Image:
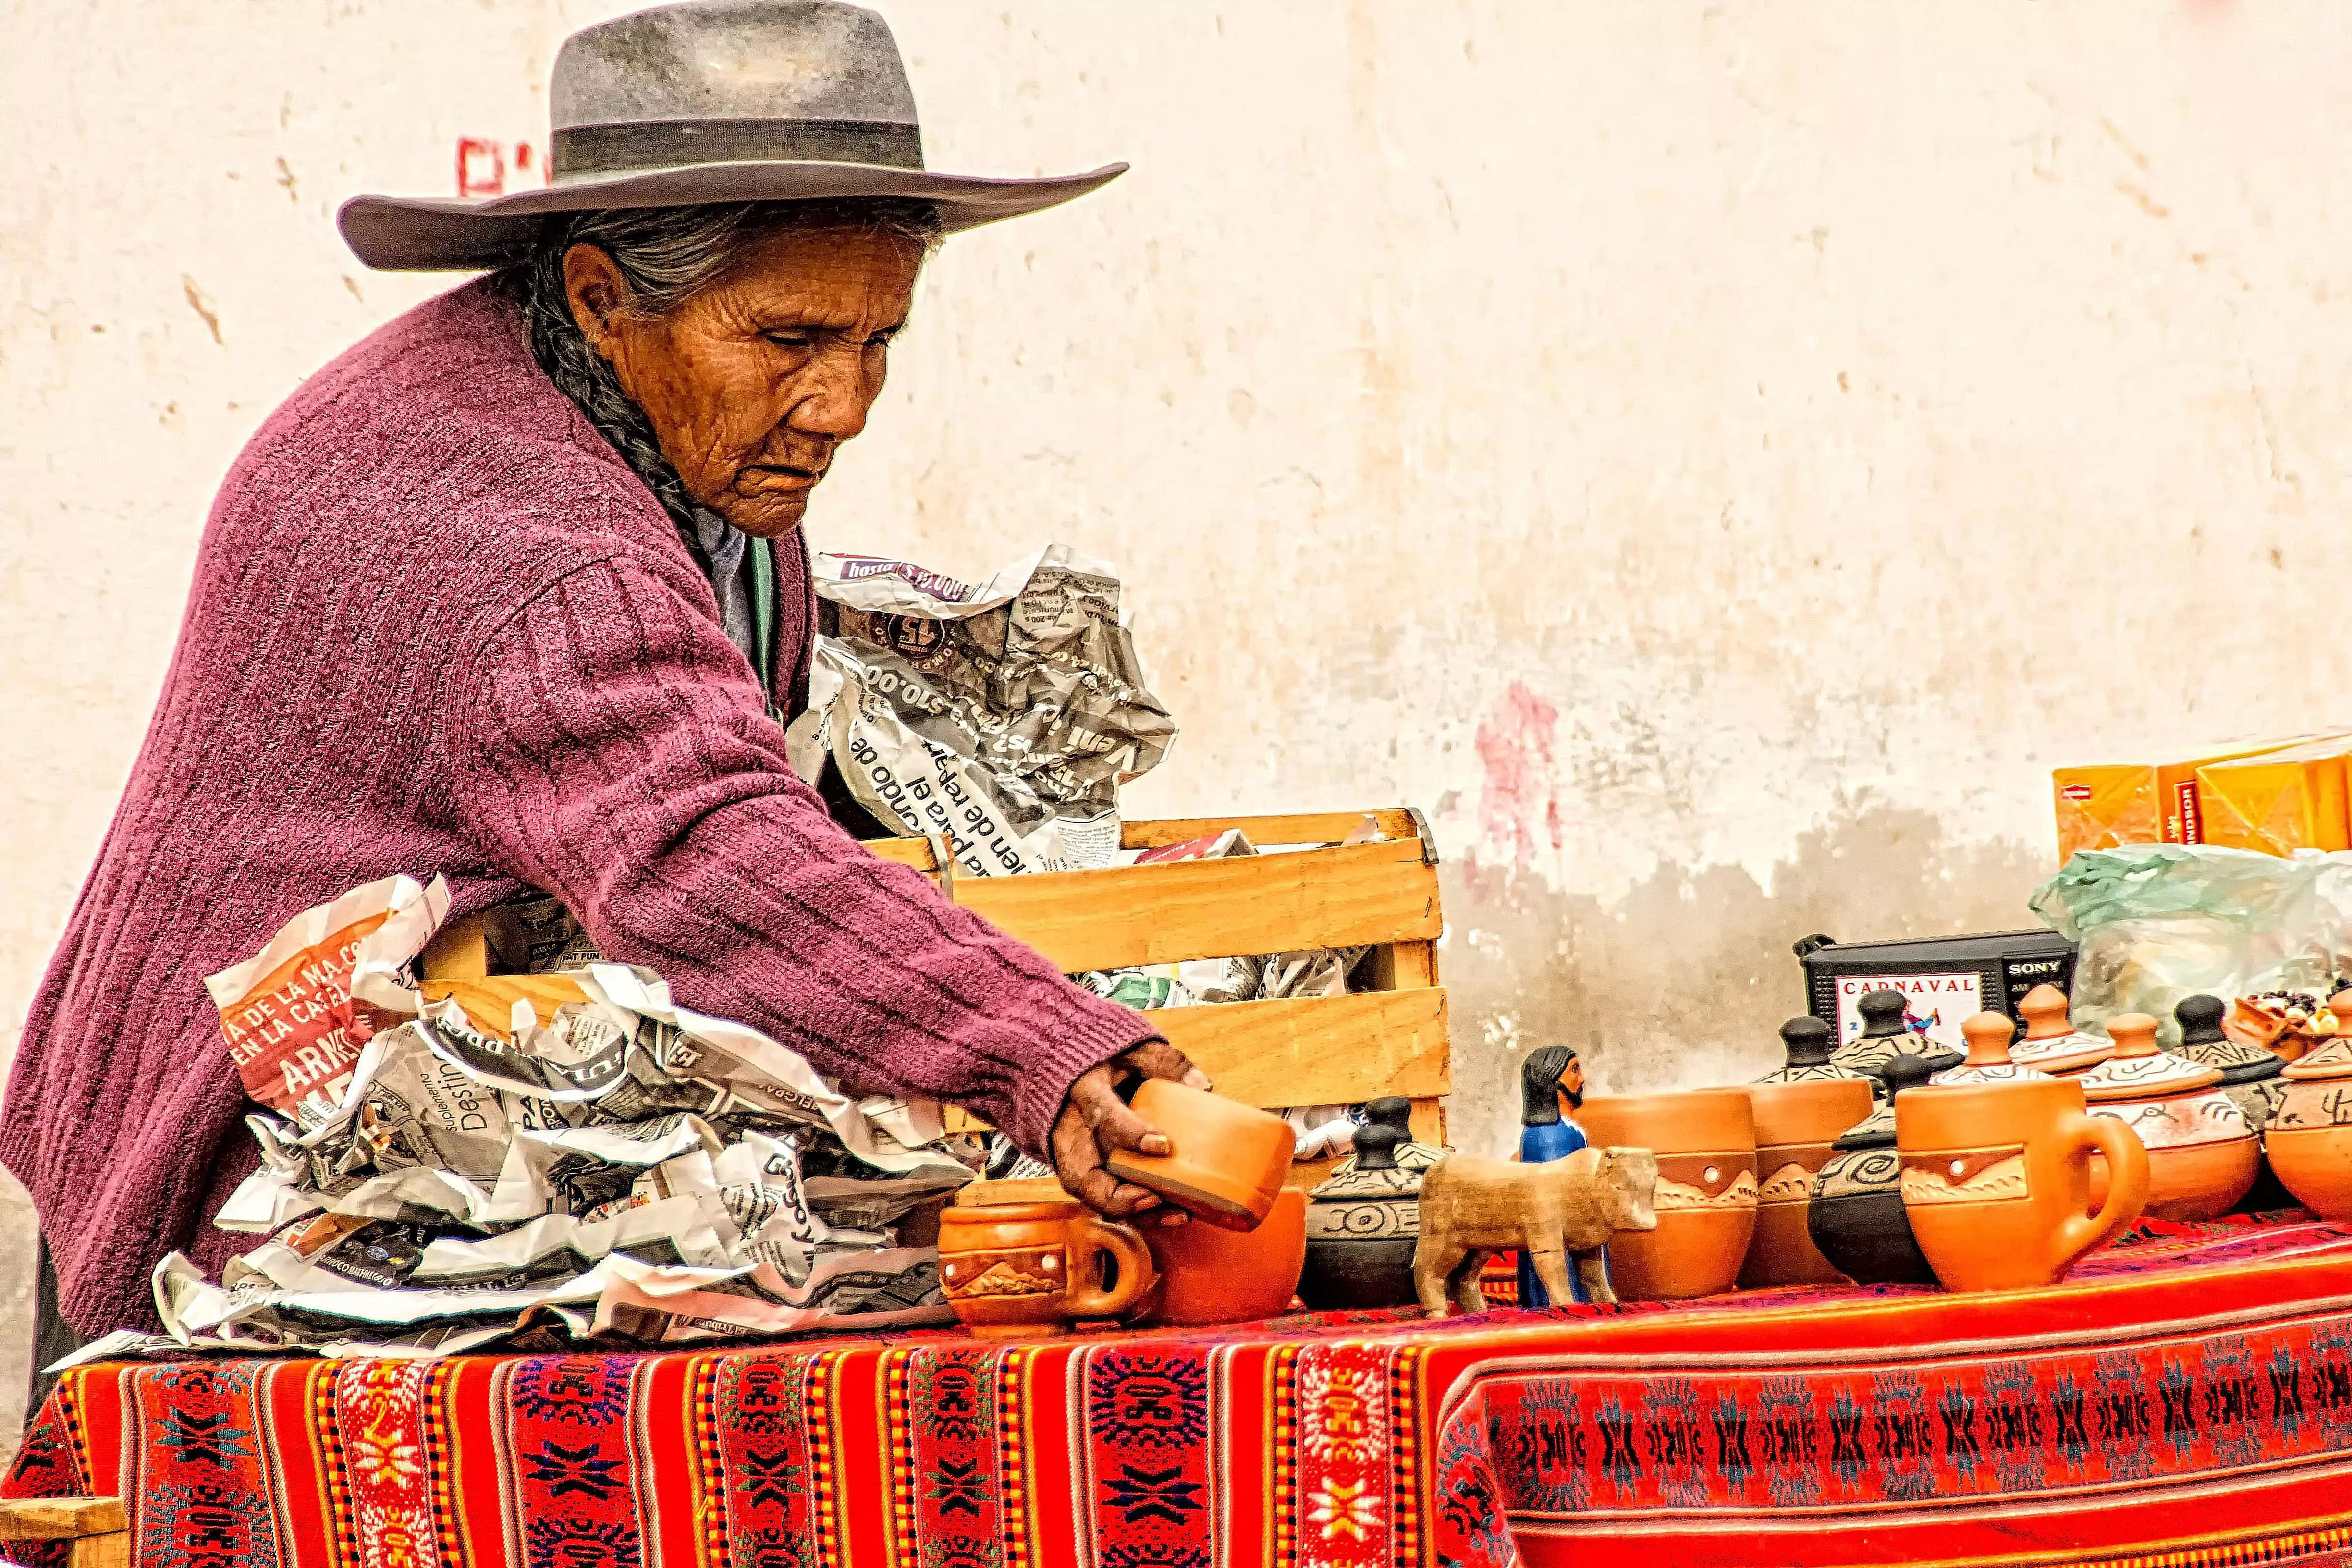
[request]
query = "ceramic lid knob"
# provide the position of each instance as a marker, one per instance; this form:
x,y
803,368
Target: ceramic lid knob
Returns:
x,y
2134,1034
1376,1144
1906,1072
2046,1013
1390,1110
2201,1020
1807,1042
1882,1013
1988,1035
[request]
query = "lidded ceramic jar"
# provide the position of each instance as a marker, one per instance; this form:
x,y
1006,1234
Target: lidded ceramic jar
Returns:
x,y
1855,1215
2052,1043
1361,1227
1704,1139
1807,1048
1395,1111
2309,1138
1988,1035
1885,1035
2202,1153
2249,1075
1795,1125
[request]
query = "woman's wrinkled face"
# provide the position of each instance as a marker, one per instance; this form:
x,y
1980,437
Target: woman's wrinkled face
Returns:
x,y
755,379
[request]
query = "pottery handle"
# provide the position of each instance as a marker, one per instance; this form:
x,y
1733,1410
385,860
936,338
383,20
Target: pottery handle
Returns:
x,y
1136,1275
2127,1185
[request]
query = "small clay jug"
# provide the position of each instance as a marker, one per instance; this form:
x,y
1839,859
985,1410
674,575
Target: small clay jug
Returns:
x,y
1029,1268
1704,1141
1796,1122
1885,1035
2202,1153
1228,1159
1988,1035
2052,1043
1996,1179
1807,1046
1362,1225
2249,1075
1856,1215
1211,1275
2309,1138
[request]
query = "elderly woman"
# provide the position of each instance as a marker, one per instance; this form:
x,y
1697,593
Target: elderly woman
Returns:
x,y
515,591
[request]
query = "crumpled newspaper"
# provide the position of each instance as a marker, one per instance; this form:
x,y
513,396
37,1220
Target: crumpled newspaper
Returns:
x,y
625,1168
1002,715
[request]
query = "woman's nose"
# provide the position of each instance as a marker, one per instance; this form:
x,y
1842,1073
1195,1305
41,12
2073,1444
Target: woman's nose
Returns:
x,y
835,398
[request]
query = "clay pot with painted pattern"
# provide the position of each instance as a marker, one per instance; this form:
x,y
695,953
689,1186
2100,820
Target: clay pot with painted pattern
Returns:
x,y
1996,1180
1704,1141
1989,1061
1796,1123
2309,1138
2202,1153
2051,1043
1855,1215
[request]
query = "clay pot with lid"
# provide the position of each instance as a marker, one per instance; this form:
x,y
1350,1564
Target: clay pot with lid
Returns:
x,y
2052,1043
1796,1123
2249,1075
1988,1035
1807,1046
1885,1035
2202,1153
2309,1138
1704,1141
1855,1215
1362,1226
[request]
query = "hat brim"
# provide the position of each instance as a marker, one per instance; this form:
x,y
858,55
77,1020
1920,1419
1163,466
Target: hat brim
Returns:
x,y
424,234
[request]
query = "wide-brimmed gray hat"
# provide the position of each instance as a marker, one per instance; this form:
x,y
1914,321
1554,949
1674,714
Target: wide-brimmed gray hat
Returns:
x,y
711,101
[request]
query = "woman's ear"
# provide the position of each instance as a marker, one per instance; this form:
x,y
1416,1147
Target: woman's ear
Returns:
x,y
597,291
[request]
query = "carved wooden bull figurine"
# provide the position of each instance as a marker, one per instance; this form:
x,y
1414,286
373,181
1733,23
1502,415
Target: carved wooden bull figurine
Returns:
x,y
1470,1207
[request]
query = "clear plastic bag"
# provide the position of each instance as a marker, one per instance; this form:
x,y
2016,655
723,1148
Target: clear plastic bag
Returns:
x,y
2159,921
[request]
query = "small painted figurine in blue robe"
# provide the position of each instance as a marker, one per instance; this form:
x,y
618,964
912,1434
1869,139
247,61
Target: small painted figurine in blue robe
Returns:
x,y
1545,1135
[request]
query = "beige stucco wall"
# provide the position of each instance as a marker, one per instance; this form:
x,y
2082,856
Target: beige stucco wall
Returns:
x,y
1713,458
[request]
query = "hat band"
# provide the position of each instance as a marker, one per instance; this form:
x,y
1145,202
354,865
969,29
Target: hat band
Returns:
x,y
584,151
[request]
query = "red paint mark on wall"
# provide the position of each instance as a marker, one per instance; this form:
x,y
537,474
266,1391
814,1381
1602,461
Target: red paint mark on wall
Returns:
x,y
486,168
1515,749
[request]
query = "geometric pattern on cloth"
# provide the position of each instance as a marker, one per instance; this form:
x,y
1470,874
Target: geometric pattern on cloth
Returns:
x,y
1812,1427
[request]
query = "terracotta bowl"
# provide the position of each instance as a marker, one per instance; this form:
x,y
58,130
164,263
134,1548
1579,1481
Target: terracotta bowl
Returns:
x,y
1706,1143
1795,1124
1211,1275
1229,1162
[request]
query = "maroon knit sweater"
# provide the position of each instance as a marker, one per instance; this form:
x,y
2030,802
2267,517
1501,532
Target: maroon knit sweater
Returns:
x,y
437,624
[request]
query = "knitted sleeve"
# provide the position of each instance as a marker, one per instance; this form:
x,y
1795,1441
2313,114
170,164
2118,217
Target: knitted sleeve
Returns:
x,y
612,751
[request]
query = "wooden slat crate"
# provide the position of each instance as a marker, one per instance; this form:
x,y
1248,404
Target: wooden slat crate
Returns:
x,y
1381,893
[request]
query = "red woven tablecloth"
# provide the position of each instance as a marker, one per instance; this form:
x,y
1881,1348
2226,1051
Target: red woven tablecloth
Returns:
x,y
2189,1390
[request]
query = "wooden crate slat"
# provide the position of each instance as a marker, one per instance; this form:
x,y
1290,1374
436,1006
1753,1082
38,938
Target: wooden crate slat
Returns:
x,y
1216,908
1324,1050
1309,828
913,852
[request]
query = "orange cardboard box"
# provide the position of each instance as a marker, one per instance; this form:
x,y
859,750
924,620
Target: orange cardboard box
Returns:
x,y
2278,802
2102,805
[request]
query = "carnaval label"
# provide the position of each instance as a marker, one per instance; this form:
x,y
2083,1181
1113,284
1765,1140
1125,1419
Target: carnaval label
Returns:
x,y
1934,1006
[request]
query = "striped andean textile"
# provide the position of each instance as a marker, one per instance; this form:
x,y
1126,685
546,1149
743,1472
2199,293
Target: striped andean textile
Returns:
x,y
2186,1399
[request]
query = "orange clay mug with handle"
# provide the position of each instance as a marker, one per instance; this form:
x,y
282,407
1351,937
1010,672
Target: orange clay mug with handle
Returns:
x,y
1996,1180
1029,1268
